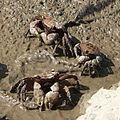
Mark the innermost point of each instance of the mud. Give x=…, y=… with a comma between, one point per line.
x=97, y=21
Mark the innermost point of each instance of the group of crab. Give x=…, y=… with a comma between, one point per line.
x=46, y=87
x=48, y=31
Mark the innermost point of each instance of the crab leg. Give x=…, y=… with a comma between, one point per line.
x=67, y=76
x=22, y=94
x=26, y=33
x=14, y=88
x=42, y=103
x=67, y=91
x=19, y=90
x=30, y=35
x=64, y=46
x=69, y=44
x=56, y=47
x=76, y=48
x=50, y=105
x=83, y=69
x=90, y=67
x=46, y=104
x=95, y=70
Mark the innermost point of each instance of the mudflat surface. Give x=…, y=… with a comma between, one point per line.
x=20, y=57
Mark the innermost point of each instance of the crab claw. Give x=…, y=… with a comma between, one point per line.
x=38, y=95
x=50, y=38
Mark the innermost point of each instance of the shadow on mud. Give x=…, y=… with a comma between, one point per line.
x=4, y=118
x=91, y=9
x=73, y=41
x=87, y=10
x=106, y=67
x=3, y=71
x=75, y=97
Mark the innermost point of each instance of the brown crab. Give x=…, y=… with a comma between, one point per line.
x=89, y=56
x=40, y=84
x=46, y=29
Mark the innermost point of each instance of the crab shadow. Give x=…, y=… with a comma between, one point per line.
x=3, y=118
x=75, y=97
x=3, y=71
x=73, y=41
x=106, y=67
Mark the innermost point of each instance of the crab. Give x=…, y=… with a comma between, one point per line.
x=46, y=29
x=89, y=56
x=40, y=85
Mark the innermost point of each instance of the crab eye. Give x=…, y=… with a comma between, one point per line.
x=79, y=52
x=86, y=52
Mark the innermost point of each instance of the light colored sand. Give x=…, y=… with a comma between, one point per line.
x=104, y=105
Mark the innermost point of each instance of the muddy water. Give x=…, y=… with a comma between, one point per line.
x=22, y=57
